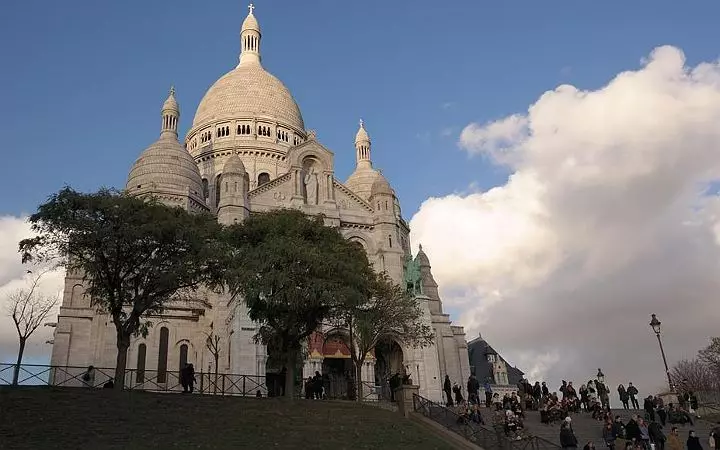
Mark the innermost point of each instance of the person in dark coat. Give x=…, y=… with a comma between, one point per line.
x=624, y=397
x=632, y=392
x=632, y=430
x=649, y=407
x=657, y=437
x=447, y=388
x=609, y=436
x=567, y=436
x=187, y=378
x=693, y=442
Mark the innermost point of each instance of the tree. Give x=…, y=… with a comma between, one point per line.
x=28, y=309
x=213, y=345
x=135, y=254
x=389, y=312
x=291, y=271
x=710, y=357
x=693, y=374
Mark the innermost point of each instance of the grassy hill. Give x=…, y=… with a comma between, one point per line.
x=74, y=418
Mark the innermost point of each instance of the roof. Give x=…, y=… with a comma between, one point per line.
x=478, y=349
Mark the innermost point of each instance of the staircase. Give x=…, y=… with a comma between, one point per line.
x=587, y=429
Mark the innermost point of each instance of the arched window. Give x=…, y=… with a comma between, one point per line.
x=162, y=355
x=206, y=192
x=263, y=178
x=140, y=375
x=183, y=356
x=217, y=191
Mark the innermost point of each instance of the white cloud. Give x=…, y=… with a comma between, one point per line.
x=604, y=220
x=14, y=276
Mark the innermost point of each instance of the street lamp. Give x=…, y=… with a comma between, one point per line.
x=655, y=325
x=600, y=376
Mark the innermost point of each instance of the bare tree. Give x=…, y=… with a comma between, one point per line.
x=710, y=357
x=693, y=374
x=28, y=309
x=213, y=345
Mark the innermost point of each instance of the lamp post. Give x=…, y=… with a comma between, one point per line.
x=655, y=325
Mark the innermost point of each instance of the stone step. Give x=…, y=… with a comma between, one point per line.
x=587, y=429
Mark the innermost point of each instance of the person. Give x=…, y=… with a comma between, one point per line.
x=649, y=407
x=567, y=436
x=88, y=377
x=318, y=386
x=712, y=440
x=589, y=446
x=693, y=442
x=395, y=382
x=632, y=392
x=458, y=394
x=657, y=437
x=674, y=440
x=660, y=406
x=187, y=378
x=609, y=435
x=447, y=388
x=693, y=401
x=488, y=393
x=473, y=386
x=624, y=397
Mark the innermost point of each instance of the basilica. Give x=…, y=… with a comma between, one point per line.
x=248, y=151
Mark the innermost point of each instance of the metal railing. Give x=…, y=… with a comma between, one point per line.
x=155, y=381
x=144, y=380
x=484, y=436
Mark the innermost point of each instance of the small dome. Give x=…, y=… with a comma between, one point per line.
x=167, y=164
x=234, y=165
x=381, y=186
x=361, y=181
x=171, y=103
x=421, y=258
x=362, y=135
x=250, y=23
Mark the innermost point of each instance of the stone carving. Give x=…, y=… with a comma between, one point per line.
x=413, y=276
x=311, y=187
x=279, y=196
x=344, y=204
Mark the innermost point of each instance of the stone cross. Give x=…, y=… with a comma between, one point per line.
x=251, y=7
x=362, y=124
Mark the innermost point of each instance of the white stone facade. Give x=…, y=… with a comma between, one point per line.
x=250, y=152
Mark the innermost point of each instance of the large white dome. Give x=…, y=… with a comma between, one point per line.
x=249, y=91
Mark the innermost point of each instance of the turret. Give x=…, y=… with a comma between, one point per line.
x=429, y=285
x=234, y=186
x=362, y=147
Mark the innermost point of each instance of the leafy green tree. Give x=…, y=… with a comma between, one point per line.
x=135, y=254
x=390, y=313
x=292, y=272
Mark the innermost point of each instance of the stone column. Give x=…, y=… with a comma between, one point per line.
x=404, y=395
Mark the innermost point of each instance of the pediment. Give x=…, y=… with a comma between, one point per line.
x=275, y=192
x=347, y=199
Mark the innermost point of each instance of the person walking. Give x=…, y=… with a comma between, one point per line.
x=568, y=440
x=693, y=442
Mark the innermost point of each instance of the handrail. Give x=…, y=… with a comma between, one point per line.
x=482, y=435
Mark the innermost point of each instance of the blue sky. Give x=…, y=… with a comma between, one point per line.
x=83, y=80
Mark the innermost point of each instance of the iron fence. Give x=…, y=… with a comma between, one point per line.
x=143, y=380
x=484, y=436
x=160, y=381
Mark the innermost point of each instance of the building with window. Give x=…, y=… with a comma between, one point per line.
x=248, y=151
x=487, y=365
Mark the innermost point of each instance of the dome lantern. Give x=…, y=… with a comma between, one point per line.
x=170, y=114
x=362, y=147
x=250, y=39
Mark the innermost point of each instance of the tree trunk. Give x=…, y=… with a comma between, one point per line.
x=358, y=380
x=16, y=372
x=290, y=375
x=123, y=343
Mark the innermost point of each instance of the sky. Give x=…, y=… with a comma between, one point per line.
x=557, y=160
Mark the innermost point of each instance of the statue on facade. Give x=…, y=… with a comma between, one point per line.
x=311, y=185
x=413, y=276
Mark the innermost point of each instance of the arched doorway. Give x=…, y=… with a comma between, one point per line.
x=388, y=361
x=337, y=368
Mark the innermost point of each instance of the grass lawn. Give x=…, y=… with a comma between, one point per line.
x=75, y=418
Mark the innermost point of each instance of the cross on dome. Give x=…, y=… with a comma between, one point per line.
x=362, y=124
x=172, y=90
x=251, y=7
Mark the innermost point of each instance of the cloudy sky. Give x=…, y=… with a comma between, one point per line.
x=557, y=160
